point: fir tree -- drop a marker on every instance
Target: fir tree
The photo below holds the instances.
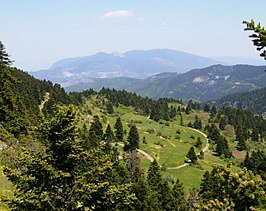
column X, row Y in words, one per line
column 207, row 108
column 154, row 177
column 192, row 155
column 108, row 135
column 119, row 131
column 133, row 139
column 65, row 176
column 181, row 120
column 179, row 196
column 109, row 108
column 197, row 123
column 222, row 123
column 199, row 143
column 95, row 132
column 241, row 144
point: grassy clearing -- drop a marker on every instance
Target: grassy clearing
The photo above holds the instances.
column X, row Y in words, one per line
column 166, row 141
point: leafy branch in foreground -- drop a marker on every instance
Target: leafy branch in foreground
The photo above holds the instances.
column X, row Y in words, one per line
column 258, row 37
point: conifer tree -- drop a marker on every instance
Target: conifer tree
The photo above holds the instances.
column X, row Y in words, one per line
column 229, row 190
column 241, row 144
column 198, row 144
column 179, row 196
column 207, row 108
column 109, row 108
column 119, row 131
column 258, row 37
column 197, row 123
column 154, row 177
column 133, row 139
column 181, row 120
column 192, row 155
column 66, row 176
column 109, row 134
column 95, row 132
column 222, row 123
column 4, row 57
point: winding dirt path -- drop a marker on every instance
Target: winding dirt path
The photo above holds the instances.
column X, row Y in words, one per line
column 150, row 158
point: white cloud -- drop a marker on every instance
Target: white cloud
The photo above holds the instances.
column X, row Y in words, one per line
column 118, row 14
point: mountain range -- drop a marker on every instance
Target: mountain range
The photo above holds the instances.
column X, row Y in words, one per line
column 137, row 64
column 203, row 84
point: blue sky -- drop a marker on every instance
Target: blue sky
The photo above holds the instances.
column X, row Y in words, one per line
column 39, row 33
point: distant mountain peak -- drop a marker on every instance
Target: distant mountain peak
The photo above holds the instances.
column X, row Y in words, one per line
column 135, row 63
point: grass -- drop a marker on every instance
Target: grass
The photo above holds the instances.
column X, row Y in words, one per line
column 189, row 176
column 163, row 142
column 6, row 190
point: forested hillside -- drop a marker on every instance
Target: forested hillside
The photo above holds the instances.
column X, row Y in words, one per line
column 255, row 100
column 203, row 84
column 115, row 150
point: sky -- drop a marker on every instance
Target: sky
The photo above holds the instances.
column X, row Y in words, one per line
column 38, row 33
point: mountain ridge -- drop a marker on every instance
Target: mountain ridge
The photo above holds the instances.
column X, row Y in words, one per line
column 203, row 84
column 136, row 63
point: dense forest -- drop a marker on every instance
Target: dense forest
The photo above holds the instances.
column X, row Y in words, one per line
column 255, row 100
column 60, row 154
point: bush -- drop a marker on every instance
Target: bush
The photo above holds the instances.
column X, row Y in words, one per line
column 150, row 131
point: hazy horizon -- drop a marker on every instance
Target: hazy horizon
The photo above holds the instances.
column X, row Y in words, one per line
column 37, row 34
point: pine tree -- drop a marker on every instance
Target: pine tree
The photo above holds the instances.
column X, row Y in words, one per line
column 109, row 108
column 199, row 143
column 207, row 108
column 181, row 120
column 241, row 144
column 4, row 57
column 230, row 190
column 154, row 177
column 132, row 140
column 213, row 111
column 143, row 193
column 165, row 196
column 95, row 132
column 109, row 134
column 179, row 196
column 119, row 133
column 172, row 112
column 192, row 155
column 197, row 123
column 258, row 37
column 222, row 147
column 66, row 176
column 222, row 123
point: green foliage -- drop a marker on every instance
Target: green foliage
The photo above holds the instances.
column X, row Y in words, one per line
column 160, row 110
column 119, row 131
column 66, row 176
column 4, row 57
column 199, row 143
column 95, row 132
column 197, row 123
column 224, row 189
column 192, row 155
column 258, row 37
column 109, row 134
column 179, row 196
column 256, row 162
column 109, row 108
column 132, row 140
column 240, row 139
